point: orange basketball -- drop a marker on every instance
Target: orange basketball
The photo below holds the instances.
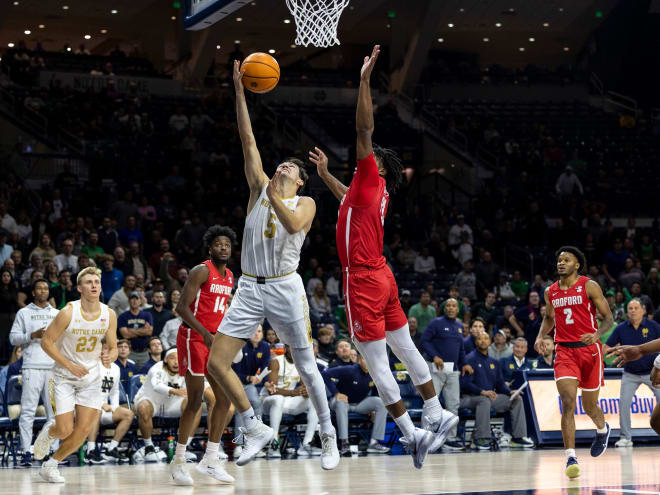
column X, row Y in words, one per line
column 262, row 72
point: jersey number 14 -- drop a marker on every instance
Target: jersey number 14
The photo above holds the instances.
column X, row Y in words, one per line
column 220, row 304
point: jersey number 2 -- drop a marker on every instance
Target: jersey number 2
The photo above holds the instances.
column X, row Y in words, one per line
column 82, row 343
column 569, row 316
column 219, row 304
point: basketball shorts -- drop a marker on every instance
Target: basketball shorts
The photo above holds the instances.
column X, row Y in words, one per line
column 192, row 351
column 164, row 406
column 372, row 303
column 66, row 393
column 281, row 300
column 585, row 364
column 106, row 418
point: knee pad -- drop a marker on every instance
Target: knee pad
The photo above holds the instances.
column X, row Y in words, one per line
column 404, row 348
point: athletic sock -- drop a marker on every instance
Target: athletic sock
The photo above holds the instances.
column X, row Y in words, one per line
column 602, row 430
column 212, row 450
column 148, row 442
column 113, row 445
column 180, row 451
column 326, row 423
column 91, row 446
column 432, row 409
column 249, row 419
column 406, row 425
column 190, row 439
column 570, row 453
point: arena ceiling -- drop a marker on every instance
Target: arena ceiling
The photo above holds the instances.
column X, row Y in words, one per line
column 495, row 29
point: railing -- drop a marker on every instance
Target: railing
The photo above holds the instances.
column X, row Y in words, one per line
column 597, row 83
column 487, row 157
column 622, row 101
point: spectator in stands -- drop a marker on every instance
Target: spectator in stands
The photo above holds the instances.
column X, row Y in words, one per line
column 463, row 315
column 630, row 274
column 159, row 313
column 596, row 275
column 539, row 284
column 121, row 263
column 407, row 255
column 25, row 296
column 92, row 248
column 199, row 121
column 127, row 366
column 477, row 327
column 568, row 185
column 27, row 330
column 466, row 281
column 119, row 301
column 172, row 283
column 50, row 273
column 136, row 326
column 326, row 338
column 526, row 321
column 424, row 262
column 519, row 287
column 615, row 261
column 504, row 290
column 457, row 229
column 63, row 291
column 485, row 389
column 464, row 251
column 108, row 236
column 44, row 249
column 272, row 338
column 635, row 373
column 117, row 52
column 131, row 232
column 8, row 222
column 486, row 310
column 121, row 210
column 487, row 272
column 316, row 279
column 178, row 121
column 444, row 351
column 67, row 259
column 351, row 388
column 19, row 267
column 423, row 312
column 319, row 303
column 516, row 362
column 136, row 263
column 157, row 257
column 342, row 355
column 546, row 361
column 636, row 292
column 155, row 349
column 5, row 249
column 333, row 287
column 406, row 302
column 500, row 348
column 111, row 278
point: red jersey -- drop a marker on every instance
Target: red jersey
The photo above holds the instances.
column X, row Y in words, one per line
column 361, row 218
column 210, row 304
column 575, row 313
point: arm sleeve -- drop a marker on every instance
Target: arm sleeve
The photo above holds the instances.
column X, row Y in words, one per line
column 328, row 374
column 159, row 384
column 19, row 335
column 613, row 339
column 365, row 182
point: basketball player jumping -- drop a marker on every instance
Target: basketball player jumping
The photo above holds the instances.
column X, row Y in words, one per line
column 204, row 300
column 73, row 340
column 571, row 304
column 275, row 228
column 375, row 317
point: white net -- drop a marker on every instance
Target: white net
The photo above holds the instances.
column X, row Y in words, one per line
column 317, row 21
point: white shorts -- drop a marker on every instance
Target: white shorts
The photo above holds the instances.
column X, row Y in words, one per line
column 106, row 418
column 66, row 394
column 164, row 407
column 281, row 300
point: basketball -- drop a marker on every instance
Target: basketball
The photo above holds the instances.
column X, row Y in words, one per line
column 262, row 72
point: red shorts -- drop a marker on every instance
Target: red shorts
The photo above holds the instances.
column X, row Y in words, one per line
column 372, row 303
column 192, row 351
column 582, row 363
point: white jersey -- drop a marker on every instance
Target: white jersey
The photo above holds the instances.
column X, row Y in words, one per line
column 288, row 376
column 110, row 378
column 268, row 249
column 159, row 381
column 28, row 320
column 80, row 342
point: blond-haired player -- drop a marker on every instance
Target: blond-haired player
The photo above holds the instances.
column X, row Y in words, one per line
column 73, row 340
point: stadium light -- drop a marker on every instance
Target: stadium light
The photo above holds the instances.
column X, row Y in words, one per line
column 41, row 26
column 498, row 24
column 87, row 37
column 104, row 31
column 10, row 45
column 441, row 40
column 486, row 40
column 239, row 19
column 271, row 51
column 522, row 49
column 27, row 31
column 114, row 11
column 546, row 24
column 451, row 25
column 217, row 47
column 65, row 7
column 532, row 40
column 287, row 21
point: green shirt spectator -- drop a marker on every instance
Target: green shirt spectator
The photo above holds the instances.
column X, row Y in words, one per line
column 422, row 311
column 519, row 287
column 342, row 321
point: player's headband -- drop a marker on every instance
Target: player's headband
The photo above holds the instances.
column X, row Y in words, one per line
column 172, row 350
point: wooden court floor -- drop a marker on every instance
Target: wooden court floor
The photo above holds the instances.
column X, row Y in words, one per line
column 506, row 472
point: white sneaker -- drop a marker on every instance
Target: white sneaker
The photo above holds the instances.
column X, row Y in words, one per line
column 179, row 473
column 418, row 446
column 42, row 443
column 238, row 450
column 624, row 442
column 253, row 441
column 190, row 456
column 308, row 450
column 50, row 473
column 274, row 449
column 221, row 454
column 215, row 469
column 329, row 451
column 440, row 428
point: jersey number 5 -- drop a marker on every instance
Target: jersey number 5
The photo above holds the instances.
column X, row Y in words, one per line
column 569, row 316
column 270, row 226
column 82, row 343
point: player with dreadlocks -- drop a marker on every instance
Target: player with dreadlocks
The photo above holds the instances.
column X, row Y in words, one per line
column 571, row 304
column 204, row 300
column 375, row 317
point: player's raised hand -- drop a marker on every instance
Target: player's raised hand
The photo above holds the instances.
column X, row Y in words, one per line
column 77, row 370
column 588, row 338
column 318, row 158
column 369, row 62
column 238, row 76
column 624, row 354
column 272, row 188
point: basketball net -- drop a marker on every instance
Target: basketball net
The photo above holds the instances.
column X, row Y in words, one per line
column 317, row 21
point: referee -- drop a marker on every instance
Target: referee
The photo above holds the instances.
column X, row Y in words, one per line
column 636, row 330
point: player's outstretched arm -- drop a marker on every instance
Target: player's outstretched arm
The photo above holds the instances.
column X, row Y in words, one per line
column 53, row 332
column 595, row 293
column 547, row 325
column 254, row 171
column 293, row 221
column 364, row 119
column 318, row 158
column 198, row 276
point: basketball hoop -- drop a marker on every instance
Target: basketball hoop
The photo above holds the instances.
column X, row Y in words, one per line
column 317, row 21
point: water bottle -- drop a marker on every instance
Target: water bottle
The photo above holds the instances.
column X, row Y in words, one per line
column 81, row 455
column 170, row 448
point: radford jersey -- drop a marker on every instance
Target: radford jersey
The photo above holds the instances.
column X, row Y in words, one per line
column 268, row 249
column 361, row 218
column 575, row 313
column 80, row 342
column 212, row 298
